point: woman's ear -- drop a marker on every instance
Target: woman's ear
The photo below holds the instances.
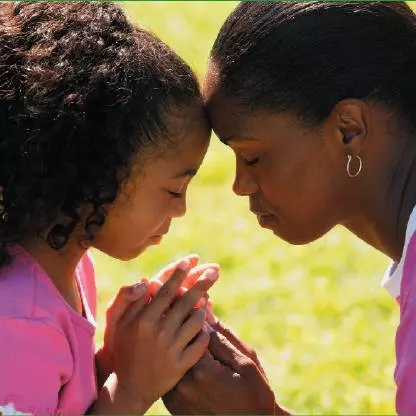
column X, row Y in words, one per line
column 350, row 118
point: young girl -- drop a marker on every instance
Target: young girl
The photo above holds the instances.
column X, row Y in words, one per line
column 102, row 128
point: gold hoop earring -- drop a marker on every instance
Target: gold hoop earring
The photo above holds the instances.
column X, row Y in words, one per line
column 360, row 166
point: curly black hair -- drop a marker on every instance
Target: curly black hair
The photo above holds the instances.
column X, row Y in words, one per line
column 82, row 91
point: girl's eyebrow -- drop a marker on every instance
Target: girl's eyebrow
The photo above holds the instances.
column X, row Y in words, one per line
column 189, row 172
column 226, row 140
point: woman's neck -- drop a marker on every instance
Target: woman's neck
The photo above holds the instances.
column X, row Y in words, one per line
column 386, row 210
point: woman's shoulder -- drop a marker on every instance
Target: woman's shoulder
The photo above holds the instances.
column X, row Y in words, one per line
column 408, row 283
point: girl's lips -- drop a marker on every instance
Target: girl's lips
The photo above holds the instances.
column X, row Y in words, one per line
column 155, row 239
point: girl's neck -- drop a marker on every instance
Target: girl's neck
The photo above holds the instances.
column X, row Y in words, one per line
column 60, row 266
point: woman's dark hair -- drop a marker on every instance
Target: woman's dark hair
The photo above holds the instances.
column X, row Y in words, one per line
column 304, row 57
column 81, row 92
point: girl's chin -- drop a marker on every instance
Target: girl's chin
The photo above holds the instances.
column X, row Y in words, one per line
column 152, row 241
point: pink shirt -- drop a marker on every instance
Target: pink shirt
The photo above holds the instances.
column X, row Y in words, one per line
column 47, row 348
column 400, row 282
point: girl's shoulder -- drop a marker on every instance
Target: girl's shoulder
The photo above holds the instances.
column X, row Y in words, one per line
column 18, row 287
column 27, row 292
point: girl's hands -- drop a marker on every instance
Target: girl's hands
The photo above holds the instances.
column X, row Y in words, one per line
column 156, row 343
column 126, row 295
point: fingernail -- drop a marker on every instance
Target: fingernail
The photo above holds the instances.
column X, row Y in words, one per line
column 139, row 288
column 211, row 274
column 208, row 328
column 202, row 302
column 183, row 265
column 154, row 287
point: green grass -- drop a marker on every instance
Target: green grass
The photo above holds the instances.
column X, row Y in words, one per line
column 316, row 314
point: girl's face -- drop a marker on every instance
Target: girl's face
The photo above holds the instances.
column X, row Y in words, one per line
column 295, row 178
column 156, row 191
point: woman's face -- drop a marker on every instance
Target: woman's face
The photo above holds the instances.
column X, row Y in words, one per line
column 156, row 191
column 294, row 177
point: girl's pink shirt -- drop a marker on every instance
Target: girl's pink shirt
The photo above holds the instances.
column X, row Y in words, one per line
column 47, row 355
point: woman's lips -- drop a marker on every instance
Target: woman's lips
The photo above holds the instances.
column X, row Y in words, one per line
column 265, row 220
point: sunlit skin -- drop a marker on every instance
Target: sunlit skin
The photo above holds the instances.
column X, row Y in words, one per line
column 295, row 175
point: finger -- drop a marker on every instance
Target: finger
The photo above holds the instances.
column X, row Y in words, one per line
column 167, row 271
column 183, row 398
column 197, row 271
column 207, row 370
column 133, row 311
column 237, row 343
column 167, row 293
column 184, row 305
column 233, row 338
column 193, row 275
column 223, row 351
column 125, row 296
column 190, row 328
column 195, row 350
column 154, row 286
column 210, row 316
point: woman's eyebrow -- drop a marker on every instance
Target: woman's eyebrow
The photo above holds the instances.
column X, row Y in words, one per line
column 189, row 172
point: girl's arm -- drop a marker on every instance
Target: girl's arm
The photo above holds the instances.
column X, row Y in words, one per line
column 102, row 368
column 35, row 361
column 113, row 399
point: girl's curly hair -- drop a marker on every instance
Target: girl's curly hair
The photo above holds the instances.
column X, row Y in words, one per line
column 82, row 90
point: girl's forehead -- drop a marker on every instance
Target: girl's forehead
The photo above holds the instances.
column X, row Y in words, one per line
column 186, row 149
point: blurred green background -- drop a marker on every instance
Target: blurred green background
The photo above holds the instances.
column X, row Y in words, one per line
column 316, row 314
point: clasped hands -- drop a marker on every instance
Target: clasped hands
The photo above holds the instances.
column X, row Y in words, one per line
column 227, row 379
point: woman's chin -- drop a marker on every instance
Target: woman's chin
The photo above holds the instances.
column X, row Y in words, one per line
column 297, row 238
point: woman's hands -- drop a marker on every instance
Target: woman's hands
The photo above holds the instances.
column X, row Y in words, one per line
column 226, row 380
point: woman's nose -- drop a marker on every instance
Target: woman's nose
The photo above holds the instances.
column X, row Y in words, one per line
column 245, row 183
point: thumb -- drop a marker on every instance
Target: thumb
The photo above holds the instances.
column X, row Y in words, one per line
column 233, row 339
column 124, row 297
column 224, row 351
column 238, row 344
column 133, row 310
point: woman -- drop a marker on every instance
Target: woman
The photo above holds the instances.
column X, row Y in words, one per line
column 318, row 102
